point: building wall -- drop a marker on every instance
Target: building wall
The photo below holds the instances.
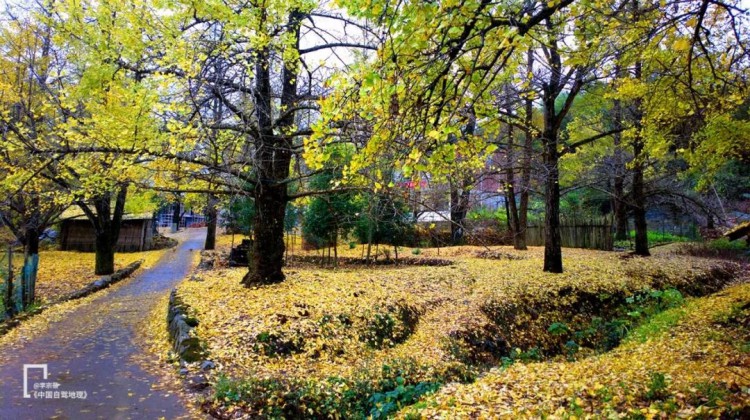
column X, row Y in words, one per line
column 78, row 235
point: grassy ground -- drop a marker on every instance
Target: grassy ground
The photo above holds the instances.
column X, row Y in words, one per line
column 327, row 342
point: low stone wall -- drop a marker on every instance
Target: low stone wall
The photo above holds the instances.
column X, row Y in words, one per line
column 188, row 346
column 92, row 287
column 180, row 325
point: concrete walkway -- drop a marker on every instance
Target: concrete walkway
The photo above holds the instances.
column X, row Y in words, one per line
column 91, row 350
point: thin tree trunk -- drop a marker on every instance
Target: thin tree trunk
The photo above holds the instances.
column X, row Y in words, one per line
column 460, row 195
column 510, row 193
column 175, row 216
column 523, row 211
column 335, row 247
column 30, row 265
column 459, row 208
column 639, row 213
column 212, row 214
column 619, row 206
column 10, row 307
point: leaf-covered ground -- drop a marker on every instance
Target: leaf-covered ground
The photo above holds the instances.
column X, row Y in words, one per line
column 692, row 361
column 331, row 331
column 63, row 272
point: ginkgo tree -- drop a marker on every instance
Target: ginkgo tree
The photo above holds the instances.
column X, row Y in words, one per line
column 246, row 58
column 29, row 203
column 438, row 60
column 679, row 87
column 72, row 105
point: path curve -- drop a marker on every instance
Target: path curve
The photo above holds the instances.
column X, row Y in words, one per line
column 92, row 350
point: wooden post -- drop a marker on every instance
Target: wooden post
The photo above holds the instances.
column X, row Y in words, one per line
column 10, row 307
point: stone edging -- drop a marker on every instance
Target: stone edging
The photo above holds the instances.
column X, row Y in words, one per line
column 104, row 282
column 95, row 286
column 186, row 344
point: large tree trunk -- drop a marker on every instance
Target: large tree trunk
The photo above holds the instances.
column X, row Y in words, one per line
column 552, row 239
column 639, row 199
column 107, row 225
column 267, row 257
column 272, row 161
column 551, row 157
column 639, row 213
column 105, row 253
column 212, row 214
column 639, row 202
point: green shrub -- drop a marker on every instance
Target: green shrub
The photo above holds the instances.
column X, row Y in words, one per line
column 726, row 244
column 386, row 403
column 376, row 393
column 558, row 328
column 390, row 327
column 709, row 394
column 657, row 387
column 277, row 344
column 605, row 334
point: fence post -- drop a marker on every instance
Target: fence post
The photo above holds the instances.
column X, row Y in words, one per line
column 30, row 269
column 10, row 306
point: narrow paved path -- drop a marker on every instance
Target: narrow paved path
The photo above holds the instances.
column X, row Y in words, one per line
column 92, row 350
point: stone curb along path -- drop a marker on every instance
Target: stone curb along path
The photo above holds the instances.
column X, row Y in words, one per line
column 94, row 351
column 94, row 286
column 186, row 343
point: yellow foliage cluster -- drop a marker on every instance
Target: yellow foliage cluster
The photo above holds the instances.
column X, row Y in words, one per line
column 318, row 323
column 704, row 370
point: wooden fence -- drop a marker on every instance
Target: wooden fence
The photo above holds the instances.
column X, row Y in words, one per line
column 577, row 233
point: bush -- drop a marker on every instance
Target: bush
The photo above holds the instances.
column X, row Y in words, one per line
column 377, row 394
column 386, row 329
column 273, row 344
column 657, row 387
column 726, row 244
column 386, row 403
column 607, row 331
column 709, row 394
